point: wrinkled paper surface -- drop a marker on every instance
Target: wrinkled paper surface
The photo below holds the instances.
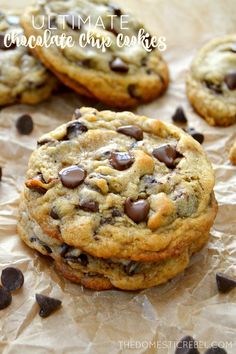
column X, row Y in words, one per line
column 148, row 321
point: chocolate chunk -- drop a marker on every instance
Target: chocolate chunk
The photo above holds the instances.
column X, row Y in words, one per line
column 225, row 283
column 0, row 174
column 216, row 350
column 216, row 88
column 72, row 177
column 81, row 259
column 187, row 345
column 121, row 160
column 195, row 135
column 12, row 278
column 47, row 305
column 131, row 268
column 24, row 124
column 137, row 211
column 179, row 116
column 133, row 92
column 230, row 80
column 118, row 65
column 64, row 248
column 54, row 214
column 116, row 213
column 90, row 205
column 75, row 129
column 9, row 46
column 131, row 130
column 77, row 114
column 73, row 21
column 5, row 298
column 167, row 154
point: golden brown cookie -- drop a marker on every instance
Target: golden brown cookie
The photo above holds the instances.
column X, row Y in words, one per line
column 232, row 154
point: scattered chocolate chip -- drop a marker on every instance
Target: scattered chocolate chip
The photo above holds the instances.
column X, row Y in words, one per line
column 121, row 160
column 230, row 80
column 64, row 248
column 0, row 174
column 195, row 135
column 43, row 142
column 9, row 44
column 116, row 10
column 81, row 259
column 131, row 130
column 216, row 88
column 47, row 305
column 133, row 91
column 118, row 65
column 73, row 21
column 54, row 214
column 224, row 282
column 13, row 20
column 179, row 116
column 116, row 213
column 77, row 114
column 167, row 154
column 131, row 268
column 215, row 350
column 12, row 278
column 73, row 176
column 90, row 205
column 137, row 211
column 187, row 345
column 75, row 129
column 5, row 298
column 24, row 124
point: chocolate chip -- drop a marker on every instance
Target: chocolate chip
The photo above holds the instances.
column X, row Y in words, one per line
column 81, row 259
column 131, row 268
column 33, row 239
column 77, row 114
column 12, row 278
column 116, row 213
column 5, row 298
column 0, row 174
column 46, row 247
column 131, row 130
column 133, row 92
column 167, row 154
column 195, row 135
column 121, row 160
column 75, row 129
column 24, row 124
column 54, row 214
column 187, row 345
column 64, row 248
column 225, row 283
column 9, row 46
column 47, row 305
column 118, row 65
column 72, row 177
column 216, row 88
column 230, row 80
column 216, row 350
column 73, row 21
column 90, row 205
column 116, row 10
column 43, row 142
column 137, row 211
column 179, row 116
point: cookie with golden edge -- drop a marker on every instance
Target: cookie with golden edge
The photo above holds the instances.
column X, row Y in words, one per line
column 232, row 154
column 120, row 76
column 211, row 81
column 23, row 78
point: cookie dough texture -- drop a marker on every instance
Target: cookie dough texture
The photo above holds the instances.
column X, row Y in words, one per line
column 211, row 81
column 232, row 154
column 120, row 76
column 118, row 200
column 23, row 78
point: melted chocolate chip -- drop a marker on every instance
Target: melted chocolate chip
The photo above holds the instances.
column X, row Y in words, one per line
column 137, row 211
column 0, row 174
column 77, row 114
column 90, row 205
column 216, row 88
column 47, row 305
column 53, row 214
column 81, row 259
column 133, row 91
column 179, row 116
column 215, row 350
column 131, row 268
column 166, row 154
column 9, row 44
column 12, row 278
column 72, row 177
column 75, row 129
column 230, row 80
column 195, row 135
column 225, row 283
column 131, row 130
column 121, row 160
column 73, row 21
column 116, row 213
column 24, row 124
column 187, row 345
column 5, row 298
column 64, row 248
column 118, row 65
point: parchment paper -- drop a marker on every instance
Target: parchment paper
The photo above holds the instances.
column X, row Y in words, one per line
column 115, row 321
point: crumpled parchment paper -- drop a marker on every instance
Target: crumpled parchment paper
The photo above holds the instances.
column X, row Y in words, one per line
column 149, row 321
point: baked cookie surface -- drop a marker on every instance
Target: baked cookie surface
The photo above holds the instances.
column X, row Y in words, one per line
column 232, row 154
column 211, row 81
column 23, row 78
column 122, row 190
column 120, row 76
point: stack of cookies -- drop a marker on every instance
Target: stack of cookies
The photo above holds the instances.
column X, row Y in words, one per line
column 117, row 200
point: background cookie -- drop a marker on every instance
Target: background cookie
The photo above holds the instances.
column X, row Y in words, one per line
column 119, row 77
column 232, row 154
column 211, row 82
column 23, row 78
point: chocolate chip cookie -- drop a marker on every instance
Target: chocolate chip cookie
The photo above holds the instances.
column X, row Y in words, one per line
column 22, row 77
column 232, row 154
column 120, row 76
column 118, row 200
column 211, row 82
